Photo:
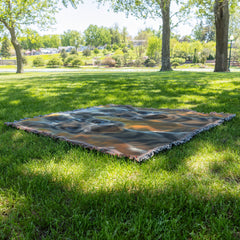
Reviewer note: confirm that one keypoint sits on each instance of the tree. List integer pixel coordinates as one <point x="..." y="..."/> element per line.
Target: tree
<point x="72" y="38"/>
<point x="97" y="36"/>
<point x="144" y="35"/>
<point x="186" y="38"/>
<point x="124" y="35"/>
<point x="31" y="41"/>
<point x="205" y="32"/>
<point x="144" y="9"/>
<point x="154" y="48"/>
<point x="115" y="35"/>
<point x="15" y="15"/>
<point x="221" y="10"/>
<point x="234" y="25"/>
<point x="63" y="54"/>
<point x="5" y="49"/>
<point x="51" y="41"/>
<point x="165" y="9"/>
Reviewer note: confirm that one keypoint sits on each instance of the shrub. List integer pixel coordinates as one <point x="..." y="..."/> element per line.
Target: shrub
<point x="73" y="61"/>
<point x="119" y="60"/>
<point x="154" y="48"/>
<point x="203" y="59"/>
<point x="130" y="63"/>
<point x="180" y="54"/>
<point x="236" y="55"/>
<point x="105" y="52"/>
<point x="125" y="50"/>
<point x="178" y="60"/>
<point x="76" y="62"/>
<point x="150" y="62"/>
<point x="86" y="52"/>
<point x="195" y="56"/>
<point x="109" y="48"/>
<point x="131" y="46"/>
<point x="68" y="60"/>
<point x="122" y="45"/>
<point x="118" y="52"/>
<point x="97" y="62"/>
<point x="54" y="62"/>
<point x="38" y="62"/>
<point x="211" y="57"/>
<point x="96" y="50"/>
<point x="24" y="60"/>
<point x="109" y="61"/>
<point x="63" y="54"/>
<point x="138" y="62"/>
<point x="115" y="46"/>
<point x="126" y="59"/>
<point x="175" y="64"/>
<point x="74" y="51"/>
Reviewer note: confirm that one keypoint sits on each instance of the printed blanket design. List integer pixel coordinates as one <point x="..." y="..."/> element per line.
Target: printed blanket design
<point x="122" y="130"/>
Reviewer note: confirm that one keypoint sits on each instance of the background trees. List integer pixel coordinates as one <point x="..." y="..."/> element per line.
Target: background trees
<point x="145" y="34"/>
<point x="15" y="15"/>
<point x="35" y="41"/>
<point x="115" y="35"/>
<point x="5" y="49"/>
<point x="50" y="41"/>
<point x="215" y="10"/>
<point x="154" y="47"/>
<point x="210" y="13"/>
<point x="220" y="11"/>
<point x="205" y="32"/>
<point x="144" y="9"/>
<point x="97" y="36"/>
<point x="72" y="38"/>
<point x="234" y="23"/>
<point x="31" y="40"/>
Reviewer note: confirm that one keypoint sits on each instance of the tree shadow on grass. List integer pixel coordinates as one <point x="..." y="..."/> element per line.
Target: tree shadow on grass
<point x="45" y="201"/>
<point x="37" y="95"/>
<point x="42" y="206"/>
<point x="86" y="89"/>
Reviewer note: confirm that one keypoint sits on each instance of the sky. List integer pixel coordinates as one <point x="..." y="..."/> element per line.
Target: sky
<point x="88" y="13"/>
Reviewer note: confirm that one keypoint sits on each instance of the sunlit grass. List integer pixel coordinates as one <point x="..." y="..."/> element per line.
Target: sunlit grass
<point x="52" y="190"/>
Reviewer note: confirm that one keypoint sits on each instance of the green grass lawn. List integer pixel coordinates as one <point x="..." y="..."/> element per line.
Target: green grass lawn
<point x="52" y="190"/>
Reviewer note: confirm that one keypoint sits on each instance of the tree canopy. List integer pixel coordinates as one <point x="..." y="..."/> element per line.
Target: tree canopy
<point x="17" y="15"/>
<point x="22" y="13"/>
<point x="97" y="36"/>
<point x="145" y="9"/>
<point x="71" y="38"/>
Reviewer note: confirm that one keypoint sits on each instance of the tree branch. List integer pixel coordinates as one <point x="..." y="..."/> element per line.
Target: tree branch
<point x="5" y="23"/>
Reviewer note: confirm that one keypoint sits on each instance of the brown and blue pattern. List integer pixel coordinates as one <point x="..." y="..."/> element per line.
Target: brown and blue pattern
<point x="136" y="133"/>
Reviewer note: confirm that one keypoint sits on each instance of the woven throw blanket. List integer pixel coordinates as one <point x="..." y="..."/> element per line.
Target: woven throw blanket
<point x="122" y="130"/>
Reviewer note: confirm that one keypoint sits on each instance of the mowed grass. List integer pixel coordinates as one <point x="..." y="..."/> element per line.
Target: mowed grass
<point x="53" y="190"/>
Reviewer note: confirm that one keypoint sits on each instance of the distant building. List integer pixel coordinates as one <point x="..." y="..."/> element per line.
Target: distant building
<point x="48" y="50"/>
<point x="67" y="48"/>
<point x="33" y="52"/>
<point x="82" y="48"/>
<point x="137" y="43"/>
<point x="102" y="47"/>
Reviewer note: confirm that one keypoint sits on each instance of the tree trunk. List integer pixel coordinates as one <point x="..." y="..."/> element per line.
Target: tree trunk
<point x="165" y="8"/>
<point x="17" y="48"/>
<point x="221" y="12"/>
